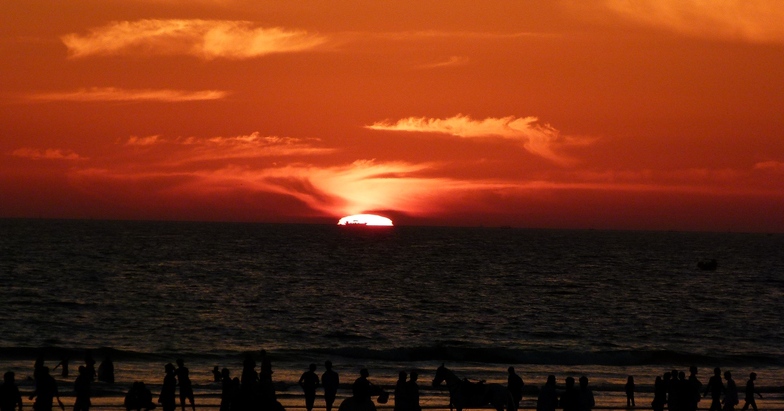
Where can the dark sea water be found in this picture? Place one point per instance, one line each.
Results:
(601, 303)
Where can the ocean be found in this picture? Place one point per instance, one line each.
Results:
(605, 304)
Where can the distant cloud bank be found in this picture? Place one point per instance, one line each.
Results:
(206, 39)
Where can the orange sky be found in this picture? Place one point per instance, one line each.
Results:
(609, 114)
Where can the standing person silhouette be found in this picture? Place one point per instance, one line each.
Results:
(10, 398)
(630, 392)
(716, 388)
(570, 398)
(309, 381)
(106, 371)
(730, 393)
(548, 398)
(184, 381)
(587, 401)
(89, 363)
(45, 391)
(750, 391)
(361, 387)
(227, 390)
(412, 392)
(659, 394)
(330, 380)
(167, 399)
(515, 384)
(82, 390)
(695, 388)
(401, 399)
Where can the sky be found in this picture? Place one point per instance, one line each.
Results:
(598, 114)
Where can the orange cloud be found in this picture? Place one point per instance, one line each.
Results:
(47, 154)
(777, 166)
(116, 94)
(182, 151)
(450, 62)
(206, 39)
(746, 20)
(539, 139)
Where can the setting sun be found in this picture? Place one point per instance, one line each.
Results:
(365, 219)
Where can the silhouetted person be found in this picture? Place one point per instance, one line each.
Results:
(184, 381)
(37, 367)
(228, 391)
(89, 364)
(750, 391)
(695, 388)
(401, 399)
(570, 398)
(265, 375)
(82, 391)
(412, 392)
(683, 388)
(514, 383)
(246, 398)
(630, 391)
(138, 398)
(659, 394)
(730, 393)
(309, 381)
(673, 390)
(361, 387)
(587, 401)
(168, 398)
(216, 374)
(64, 367)
(266, 389)
(331, 381)
(45, 391)
(10, 398)
(548, 399)
(106, 371)
(716, 388)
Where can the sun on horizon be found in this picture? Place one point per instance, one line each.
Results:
(365, 219)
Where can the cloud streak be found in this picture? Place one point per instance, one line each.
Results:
(182, 151)
(539, 139)
(98, 94)
(450, 62)
(47, 154)
(205, 39)
(745, 20)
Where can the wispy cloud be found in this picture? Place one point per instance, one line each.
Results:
(777, 166)
(537, 138)
(181, 151)
(206, 39)
(47, 154)
(450, 62)
(746, 20)
(117, 94)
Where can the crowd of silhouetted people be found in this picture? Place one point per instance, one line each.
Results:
(679, 393)
(255, 391)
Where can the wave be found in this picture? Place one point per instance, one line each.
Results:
(434, 353)
(556, 357)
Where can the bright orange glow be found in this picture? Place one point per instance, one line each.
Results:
(614, 114)
(365, 219)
